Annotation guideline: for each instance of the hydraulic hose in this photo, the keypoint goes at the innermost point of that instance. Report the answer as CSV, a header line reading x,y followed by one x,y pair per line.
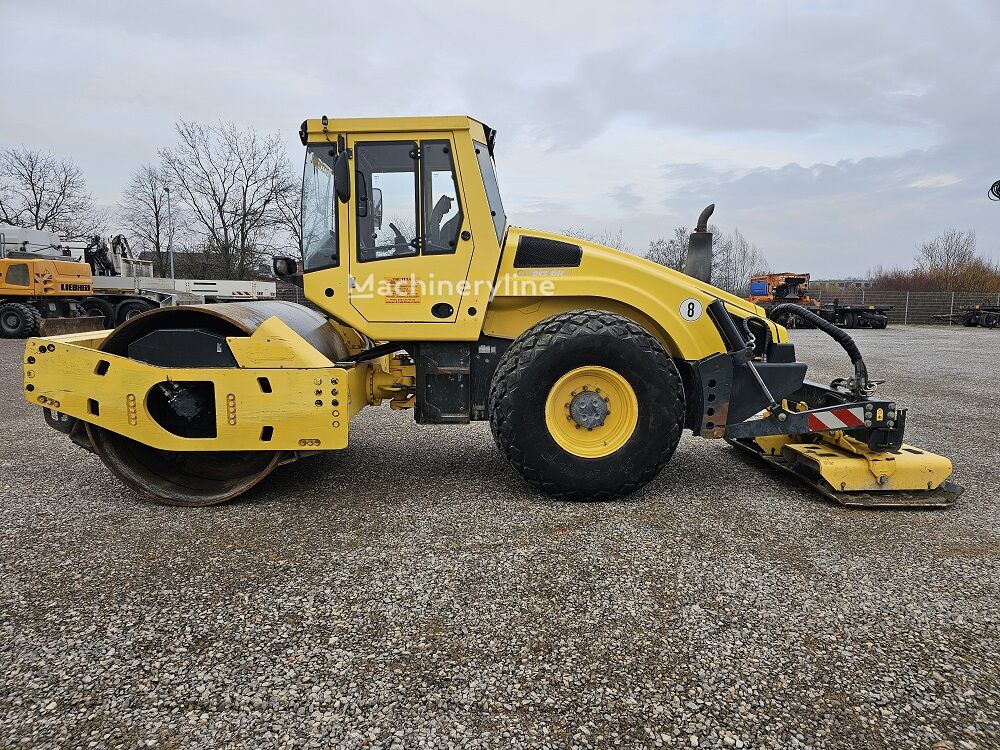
x,y
748,334
862,386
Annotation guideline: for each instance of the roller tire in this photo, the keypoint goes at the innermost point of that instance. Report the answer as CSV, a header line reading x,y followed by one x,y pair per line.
x,y
94,306
990,320
129,308
556,346
19,321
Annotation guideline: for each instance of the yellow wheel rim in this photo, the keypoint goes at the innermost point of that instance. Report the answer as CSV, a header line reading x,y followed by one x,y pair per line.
x,y
591,411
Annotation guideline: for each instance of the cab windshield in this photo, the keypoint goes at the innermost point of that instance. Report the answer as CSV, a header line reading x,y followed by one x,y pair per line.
x,y
319,211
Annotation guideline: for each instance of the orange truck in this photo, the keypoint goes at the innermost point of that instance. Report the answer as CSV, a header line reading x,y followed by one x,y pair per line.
x,y
773,289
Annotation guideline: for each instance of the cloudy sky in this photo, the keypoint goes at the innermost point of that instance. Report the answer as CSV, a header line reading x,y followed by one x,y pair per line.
x,y
835,135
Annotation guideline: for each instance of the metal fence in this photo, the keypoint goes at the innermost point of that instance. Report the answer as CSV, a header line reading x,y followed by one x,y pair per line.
x,y
907,307
910,307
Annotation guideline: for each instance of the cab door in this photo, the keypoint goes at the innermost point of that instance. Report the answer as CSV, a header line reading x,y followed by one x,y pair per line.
x,y
409,243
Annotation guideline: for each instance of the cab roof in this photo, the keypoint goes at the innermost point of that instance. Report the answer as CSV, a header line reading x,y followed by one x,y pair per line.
x,y
320,130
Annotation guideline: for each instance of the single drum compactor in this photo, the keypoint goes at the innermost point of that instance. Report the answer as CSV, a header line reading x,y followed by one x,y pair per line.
x,y
588,362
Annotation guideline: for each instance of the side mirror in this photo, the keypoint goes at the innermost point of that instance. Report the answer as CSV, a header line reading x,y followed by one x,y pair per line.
x,y
377,207
284,267
342,177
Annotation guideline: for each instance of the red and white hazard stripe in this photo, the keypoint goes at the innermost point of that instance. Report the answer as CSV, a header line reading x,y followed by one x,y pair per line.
x,y
241,294
837,419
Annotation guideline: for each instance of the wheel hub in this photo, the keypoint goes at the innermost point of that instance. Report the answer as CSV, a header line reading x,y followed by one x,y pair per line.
x,y
589,409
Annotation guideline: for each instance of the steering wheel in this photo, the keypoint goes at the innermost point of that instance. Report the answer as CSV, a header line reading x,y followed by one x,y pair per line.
x,y
400,239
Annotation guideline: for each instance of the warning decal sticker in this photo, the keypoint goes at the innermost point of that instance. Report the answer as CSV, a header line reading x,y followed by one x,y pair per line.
x,y
401,290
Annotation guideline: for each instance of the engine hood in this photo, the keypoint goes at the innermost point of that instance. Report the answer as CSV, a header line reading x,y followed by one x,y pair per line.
x,y
629,263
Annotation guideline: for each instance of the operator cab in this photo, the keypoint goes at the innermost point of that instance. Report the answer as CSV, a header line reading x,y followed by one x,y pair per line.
x,y
398,217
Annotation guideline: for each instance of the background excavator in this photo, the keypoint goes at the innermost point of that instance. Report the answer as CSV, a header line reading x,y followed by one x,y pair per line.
x,y
588,362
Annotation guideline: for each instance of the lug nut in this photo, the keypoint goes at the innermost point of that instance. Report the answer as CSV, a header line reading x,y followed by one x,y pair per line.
x,y
868,423
890,423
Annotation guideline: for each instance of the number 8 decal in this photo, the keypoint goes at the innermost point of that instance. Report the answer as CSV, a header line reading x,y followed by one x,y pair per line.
x,y
690,309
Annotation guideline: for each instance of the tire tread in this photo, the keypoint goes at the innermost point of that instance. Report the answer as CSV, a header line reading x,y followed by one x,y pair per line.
x,y
532,343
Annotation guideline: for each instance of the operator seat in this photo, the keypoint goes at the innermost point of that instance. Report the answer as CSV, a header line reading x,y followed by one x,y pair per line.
x,y
440,210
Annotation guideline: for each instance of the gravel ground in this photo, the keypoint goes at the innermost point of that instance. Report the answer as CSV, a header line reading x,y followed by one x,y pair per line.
x,y
413,592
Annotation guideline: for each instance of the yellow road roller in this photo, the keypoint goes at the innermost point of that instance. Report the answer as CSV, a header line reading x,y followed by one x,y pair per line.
x,y
588,362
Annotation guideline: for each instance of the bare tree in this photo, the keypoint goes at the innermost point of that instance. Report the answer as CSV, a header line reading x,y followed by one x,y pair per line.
x,y
947,255
671,253
41,191
947,263
608,238
290,213
734,260
143,211
232,182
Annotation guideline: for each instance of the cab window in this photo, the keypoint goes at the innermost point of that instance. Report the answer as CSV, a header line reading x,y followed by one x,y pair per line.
x,y
386,184
488,170
439,187
17,275
319,211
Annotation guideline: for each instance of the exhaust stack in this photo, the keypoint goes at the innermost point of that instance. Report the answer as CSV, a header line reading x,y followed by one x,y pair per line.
x,y
699,256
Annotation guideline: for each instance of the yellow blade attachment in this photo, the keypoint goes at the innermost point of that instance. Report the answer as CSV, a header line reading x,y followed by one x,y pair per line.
x,y
846,470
